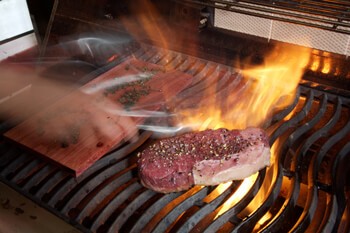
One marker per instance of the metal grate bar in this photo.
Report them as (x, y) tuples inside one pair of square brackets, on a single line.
[(29, 169), (38, 177), (313, 171), (205, 209), (281, 115), (179, 61), (293, 155), (190, 62), (322, 132), (153, 210), (114, 204), (170, 59), (215, 225), (105, 191), (339, 179), (51, 181), (200, 88), (179, 209), (130, 209), (8, 156), (259, 212), (92, 183), (15, 165), (293, 121)]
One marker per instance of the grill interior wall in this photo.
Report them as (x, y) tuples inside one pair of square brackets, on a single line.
[(323, 25), (320, 39), (179, 25)]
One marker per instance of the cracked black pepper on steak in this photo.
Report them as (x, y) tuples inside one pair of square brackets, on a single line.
[(208, 157)]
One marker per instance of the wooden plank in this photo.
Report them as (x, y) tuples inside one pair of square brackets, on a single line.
[(83, 126)]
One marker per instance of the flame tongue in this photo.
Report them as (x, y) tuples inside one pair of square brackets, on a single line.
[(249, 102), (234, 101)]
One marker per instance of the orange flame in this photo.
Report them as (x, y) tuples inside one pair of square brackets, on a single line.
[(326, 65), (315, 64), (228, 103), (234, 101), (261, 91), (260, 197), (238, 194), (146, 23)]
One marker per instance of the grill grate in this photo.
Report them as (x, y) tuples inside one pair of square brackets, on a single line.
[(306, 189)]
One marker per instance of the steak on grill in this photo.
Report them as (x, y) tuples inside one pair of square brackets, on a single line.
[(207, 157)]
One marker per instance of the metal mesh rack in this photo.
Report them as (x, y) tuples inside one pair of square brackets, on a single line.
[(332, 15)]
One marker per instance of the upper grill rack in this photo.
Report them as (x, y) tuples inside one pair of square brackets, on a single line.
[(332, 15), (305, 188)]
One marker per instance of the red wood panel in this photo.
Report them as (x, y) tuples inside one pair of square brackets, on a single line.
[(85, 125)]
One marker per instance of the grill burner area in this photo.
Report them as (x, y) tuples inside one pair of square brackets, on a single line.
[(305, 189)]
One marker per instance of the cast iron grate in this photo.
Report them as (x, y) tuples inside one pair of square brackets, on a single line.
[(305, 189)]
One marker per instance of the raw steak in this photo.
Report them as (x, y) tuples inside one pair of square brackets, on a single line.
[(208, 157)]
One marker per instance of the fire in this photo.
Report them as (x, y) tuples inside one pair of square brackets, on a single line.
[(262, 90), (247, 99), (145, 22), (326, 65), (315, 64), (263, 220), (259, 198), (228, 103), (238, 194)]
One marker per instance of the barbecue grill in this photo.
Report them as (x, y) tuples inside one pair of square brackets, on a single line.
[(306, 188)]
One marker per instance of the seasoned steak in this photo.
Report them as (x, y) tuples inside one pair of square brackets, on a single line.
[(208, 157)]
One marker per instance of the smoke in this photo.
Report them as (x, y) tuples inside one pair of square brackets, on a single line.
[(29, 90), (232, 100)]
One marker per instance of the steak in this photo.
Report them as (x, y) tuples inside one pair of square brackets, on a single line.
[(207, 158)]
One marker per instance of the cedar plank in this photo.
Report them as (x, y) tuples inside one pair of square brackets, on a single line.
[(99, 131)]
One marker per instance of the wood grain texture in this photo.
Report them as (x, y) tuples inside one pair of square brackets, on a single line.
[(82, 127)]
